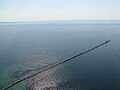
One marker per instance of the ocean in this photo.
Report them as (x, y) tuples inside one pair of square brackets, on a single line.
[(26, 48)]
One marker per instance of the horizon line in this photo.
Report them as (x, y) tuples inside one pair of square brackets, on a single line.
[(17, 21)]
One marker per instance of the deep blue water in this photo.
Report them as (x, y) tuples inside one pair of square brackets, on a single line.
[(28, 48)]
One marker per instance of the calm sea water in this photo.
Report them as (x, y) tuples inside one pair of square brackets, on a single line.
[(27, 48)]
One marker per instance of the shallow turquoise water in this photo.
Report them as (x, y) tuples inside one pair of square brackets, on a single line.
[(28, 48)]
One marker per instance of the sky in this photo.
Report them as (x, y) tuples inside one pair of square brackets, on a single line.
[(53, 10)]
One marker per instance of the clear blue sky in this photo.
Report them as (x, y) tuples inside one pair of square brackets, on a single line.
[(52, 10)]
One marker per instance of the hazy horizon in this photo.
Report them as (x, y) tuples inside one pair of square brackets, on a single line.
[(52, 10), (65, 22)]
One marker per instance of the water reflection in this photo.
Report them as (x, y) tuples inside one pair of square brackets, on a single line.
[(26, 49)]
